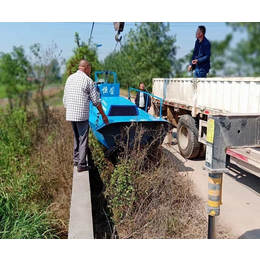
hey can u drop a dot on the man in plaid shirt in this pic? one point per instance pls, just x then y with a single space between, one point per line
78 92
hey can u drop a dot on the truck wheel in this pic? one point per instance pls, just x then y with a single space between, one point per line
202 151
187 135
156 110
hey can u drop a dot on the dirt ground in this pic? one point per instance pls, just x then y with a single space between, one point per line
240 211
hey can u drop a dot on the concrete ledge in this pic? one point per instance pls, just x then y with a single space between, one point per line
81 222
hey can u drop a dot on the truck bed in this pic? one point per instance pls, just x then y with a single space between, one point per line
246 158
229 95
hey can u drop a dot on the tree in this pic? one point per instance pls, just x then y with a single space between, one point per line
117 62
14 72
181 66
148 52
42 66
220 57
83 51
246 55
54 76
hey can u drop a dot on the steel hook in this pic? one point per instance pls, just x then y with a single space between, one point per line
116 37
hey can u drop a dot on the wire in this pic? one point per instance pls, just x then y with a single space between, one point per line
101 23
180 24
91 34
115 47
130 62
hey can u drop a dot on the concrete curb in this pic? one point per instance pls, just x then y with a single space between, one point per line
81 222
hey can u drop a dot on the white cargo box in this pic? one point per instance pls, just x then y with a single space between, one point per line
231 95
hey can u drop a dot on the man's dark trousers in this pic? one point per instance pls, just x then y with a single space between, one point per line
200 73
80 130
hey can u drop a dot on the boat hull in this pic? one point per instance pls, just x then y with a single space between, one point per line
111 135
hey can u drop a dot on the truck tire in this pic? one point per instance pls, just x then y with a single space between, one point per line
156 110
202 151
187 135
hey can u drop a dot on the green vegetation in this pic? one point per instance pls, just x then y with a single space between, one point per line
28 199
20 214
243 60
44 69
246 56
146 196
21 75
2 92
82 51
220 50
148 52
34 192
13 75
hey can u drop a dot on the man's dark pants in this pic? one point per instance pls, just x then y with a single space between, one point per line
80 130
200 73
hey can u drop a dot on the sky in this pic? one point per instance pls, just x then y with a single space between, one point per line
62 33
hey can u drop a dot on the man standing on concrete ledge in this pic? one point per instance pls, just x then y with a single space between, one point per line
78 92
200 60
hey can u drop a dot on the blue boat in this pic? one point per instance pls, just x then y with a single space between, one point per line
121 112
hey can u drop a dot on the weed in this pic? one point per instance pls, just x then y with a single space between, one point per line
147 196
52 157
20 216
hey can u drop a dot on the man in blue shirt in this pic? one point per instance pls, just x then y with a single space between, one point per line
200 61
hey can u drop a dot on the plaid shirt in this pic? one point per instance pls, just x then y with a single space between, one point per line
78 92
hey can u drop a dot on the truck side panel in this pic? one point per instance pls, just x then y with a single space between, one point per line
174 90
224 95
229 95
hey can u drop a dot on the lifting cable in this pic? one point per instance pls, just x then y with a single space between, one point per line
115 47
157 109
130 62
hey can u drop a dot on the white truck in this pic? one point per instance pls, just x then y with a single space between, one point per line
187 102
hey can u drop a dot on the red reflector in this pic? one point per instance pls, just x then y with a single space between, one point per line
237 155
206 112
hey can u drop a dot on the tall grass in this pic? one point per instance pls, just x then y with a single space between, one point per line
53 157
55 99
18 220
21 216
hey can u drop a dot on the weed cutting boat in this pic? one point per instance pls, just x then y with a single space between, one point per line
122 113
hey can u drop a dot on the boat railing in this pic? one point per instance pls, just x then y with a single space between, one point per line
147 96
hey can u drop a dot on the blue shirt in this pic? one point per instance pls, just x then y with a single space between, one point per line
202 54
